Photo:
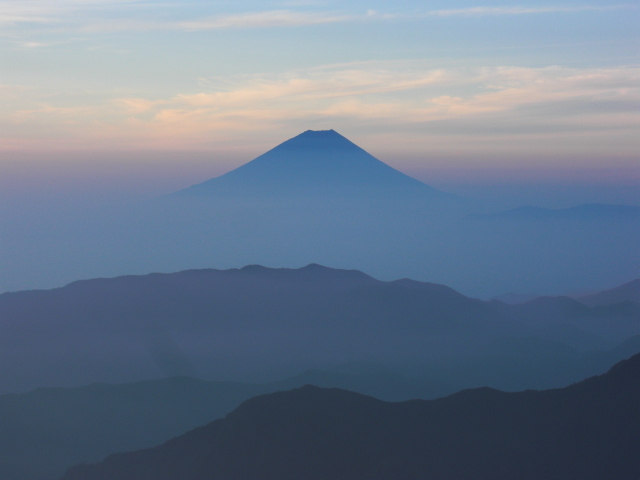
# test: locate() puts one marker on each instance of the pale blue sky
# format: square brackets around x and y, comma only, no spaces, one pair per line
[426,86]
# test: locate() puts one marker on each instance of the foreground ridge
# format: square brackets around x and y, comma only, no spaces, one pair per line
[585,431]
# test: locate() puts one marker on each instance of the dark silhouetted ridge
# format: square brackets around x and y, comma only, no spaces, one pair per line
[49,429]
[590,430]
[310,272]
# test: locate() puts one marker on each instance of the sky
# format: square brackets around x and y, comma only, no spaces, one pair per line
[110,98]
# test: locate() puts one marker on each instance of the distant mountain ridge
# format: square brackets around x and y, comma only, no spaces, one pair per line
[391,339]
[320,198]
[591,211]
[587,431]
[318,163]
[629,292]
[47,430]
[252,317]
[515,298]
[261,324]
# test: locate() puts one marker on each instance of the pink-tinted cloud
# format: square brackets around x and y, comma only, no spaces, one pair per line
[481,111]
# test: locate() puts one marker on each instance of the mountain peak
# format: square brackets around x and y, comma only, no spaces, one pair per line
[321,163]
[320,133]
[317,139]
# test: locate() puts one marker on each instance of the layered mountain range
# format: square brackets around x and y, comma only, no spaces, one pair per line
[49,429]
[394,340]
[629,292]
[196,343]
[585,431]
[46,430]
[320,198]
[258,324]
[588,212]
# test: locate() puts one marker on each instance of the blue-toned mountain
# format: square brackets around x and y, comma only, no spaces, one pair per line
[629,292]
[594,212]
[588,430]
[260,323]
[315,163]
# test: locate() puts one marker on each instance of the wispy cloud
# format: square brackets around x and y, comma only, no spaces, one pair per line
[275,18]
[248,20]
[126,15]
[47,10]
[42,13]
[521,10]
[34,44]
[479,90]
[505,106]
[77,19]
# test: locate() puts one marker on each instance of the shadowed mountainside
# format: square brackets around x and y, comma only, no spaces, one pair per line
[589,430]
[571,321]
[212,323]
[629,292]
[49,429]
[515,298]
[257,324]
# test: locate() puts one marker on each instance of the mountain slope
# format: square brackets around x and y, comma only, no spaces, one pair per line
[589,430]
[219,323]
[586,212]
[262,324]
[629,292]
[318,163]
[569,321]
[49,429]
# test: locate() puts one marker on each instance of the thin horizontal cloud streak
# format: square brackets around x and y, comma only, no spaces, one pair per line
[81,16]
[317,85]
[50,11]
[275,18]
[485,11]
